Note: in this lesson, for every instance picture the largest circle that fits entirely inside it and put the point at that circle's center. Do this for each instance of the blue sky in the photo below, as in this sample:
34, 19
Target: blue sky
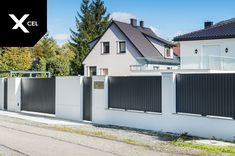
167, 17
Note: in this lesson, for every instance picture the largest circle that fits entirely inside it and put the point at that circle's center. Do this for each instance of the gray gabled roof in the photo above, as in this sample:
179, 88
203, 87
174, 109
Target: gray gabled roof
221, 30
138, 39
138, 36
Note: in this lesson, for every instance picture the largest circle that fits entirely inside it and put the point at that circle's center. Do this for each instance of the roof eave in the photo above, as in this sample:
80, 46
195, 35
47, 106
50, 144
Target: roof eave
203, 38
166, 43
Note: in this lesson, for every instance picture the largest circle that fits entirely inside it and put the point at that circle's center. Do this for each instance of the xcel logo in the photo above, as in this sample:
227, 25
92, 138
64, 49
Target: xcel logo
19, 23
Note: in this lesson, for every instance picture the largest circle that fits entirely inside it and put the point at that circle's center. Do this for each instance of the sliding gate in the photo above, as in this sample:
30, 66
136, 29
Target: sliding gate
38, 95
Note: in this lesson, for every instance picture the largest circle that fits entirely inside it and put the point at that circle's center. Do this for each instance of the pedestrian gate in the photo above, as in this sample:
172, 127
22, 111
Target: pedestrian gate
87, 98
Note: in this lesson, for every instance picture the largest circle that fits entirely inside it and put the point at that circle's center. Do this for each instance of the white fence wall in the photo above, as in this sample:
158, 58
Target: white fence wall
69, 105
1, 93
14, 94
69, 98
102, 115
167, 121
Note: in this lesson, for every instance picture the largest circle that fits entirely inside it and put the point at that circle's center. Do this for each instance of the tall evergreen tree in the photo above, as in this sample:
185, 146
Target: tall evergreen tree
100, 19
90, 23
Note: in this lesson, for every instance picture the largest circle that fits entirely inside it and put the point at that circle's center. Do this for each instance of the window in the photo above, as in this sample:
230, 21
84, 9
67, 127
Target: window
92, 71
122, 47
104, 71
105, 48
168, 52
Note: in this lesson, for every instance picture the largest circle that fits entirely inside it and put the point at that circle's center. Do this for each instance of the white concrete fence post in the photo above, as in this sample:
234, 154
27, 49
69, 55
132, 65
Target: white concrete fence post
14, 94
99, 98
69, 98
168, 93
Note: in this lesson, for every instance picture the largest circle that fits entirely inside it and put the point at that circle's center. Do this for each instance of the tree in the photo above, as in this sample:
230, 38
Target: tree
45, 53
53, 58
90, 23
63, 60
100, 19
15, 59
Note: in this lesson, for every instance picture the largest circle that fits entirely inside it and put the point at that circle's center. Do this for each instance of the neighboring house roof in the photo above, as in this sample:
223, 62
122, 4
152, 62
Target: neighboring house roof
221, 30
138, 37
176, 50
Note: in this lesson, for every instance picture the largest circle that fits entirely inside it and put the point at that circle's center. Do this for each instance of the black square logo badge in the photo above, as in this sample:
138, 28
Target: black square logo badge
23, 22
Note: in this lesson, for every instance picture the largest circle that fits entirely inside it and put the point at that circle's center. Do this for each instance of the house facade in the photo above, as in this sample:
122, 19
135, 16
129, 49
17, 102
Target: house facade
210, 48
126, 47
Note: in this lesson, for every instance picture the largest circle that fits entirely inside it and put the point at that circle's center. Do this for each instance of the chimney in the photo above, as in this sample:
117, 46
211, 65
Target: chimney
134, 22
208, 24
142, 24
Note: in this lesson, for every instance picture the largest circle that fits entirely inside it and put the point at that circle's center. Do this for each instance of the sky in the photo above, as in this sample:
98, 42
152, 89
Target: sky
167, 18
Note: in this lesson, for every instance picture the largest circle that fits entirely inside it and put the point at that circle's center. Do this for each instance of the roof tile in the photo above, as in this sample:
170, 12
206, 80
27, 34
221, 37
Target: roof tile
221, 30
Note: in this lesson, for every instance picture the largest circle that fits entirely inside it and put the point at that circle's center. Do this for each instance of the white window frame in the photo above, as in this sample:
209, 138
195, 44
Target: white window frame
165, 51
118, 47
101, 71
102, 48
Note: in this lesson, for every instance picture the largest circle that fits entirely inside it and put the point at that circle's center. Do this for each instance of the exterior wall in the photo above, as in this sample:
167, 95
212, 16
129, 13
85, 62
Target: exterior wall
69, 98
14, 94
167, 121
1, 93
117, 64
190, 60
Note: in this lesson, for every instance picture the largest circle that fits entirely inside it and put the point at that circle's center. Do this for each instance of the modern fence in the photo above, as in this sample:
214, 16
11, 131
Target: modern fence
135, 93
84, 98
206, 94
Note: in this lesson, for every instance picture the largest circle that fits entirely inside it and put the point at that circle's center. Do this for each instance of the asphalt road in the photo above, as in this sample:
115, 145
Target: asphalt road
21, 139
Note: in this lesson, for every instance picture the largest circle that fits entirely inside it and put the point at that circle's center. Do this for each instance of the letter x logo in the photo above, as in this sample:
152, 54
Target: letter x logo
19, 23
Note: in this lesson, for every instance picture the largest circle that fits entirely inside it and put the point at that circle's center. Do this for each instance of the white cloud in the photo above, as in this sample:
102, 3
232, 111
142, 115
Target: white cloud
61, 37
155, 30
122, 16
178, 33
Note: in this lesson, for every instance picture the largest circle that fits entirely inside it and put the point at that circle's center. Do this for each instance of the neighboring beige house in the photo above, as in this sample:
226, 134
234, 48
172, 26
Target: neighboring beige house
210, 48
127, 47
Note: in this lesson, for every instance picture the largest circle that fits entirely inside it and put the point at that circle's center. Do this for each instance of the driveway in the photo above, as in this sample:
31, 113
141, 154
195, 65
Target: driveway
20, 139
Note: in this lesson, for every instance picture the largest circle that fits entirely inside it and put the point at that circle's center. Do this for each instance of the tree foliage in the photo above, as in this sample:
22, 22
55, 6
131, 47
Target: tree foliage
46, 53
15, 59
53, 58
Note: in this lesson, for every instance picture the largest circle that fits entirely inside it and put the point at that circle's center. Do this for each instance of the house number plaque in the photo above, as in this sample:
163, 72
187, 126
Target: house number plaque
99, 85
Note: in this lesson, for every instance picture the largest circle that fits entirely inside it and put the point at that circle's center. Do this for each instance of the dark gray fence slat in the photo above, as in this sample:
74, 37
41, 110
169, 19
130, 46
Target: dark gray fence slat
135, 93
206, 94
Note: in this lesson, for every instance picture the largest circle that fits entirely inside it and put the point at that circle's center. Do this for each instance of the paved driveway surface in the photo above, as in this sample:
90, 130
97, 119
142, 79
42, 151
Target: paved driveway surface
20, 139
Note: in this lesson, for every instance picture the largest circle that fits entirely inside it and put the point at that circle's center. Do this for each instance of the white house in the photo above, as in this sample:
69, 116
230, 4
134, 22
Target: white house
125, 47
210, 48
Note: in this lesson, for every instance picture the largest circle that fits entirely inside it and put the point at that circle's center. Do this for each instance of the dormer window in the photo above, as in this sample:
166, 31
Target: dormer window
167, 52
105, 48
